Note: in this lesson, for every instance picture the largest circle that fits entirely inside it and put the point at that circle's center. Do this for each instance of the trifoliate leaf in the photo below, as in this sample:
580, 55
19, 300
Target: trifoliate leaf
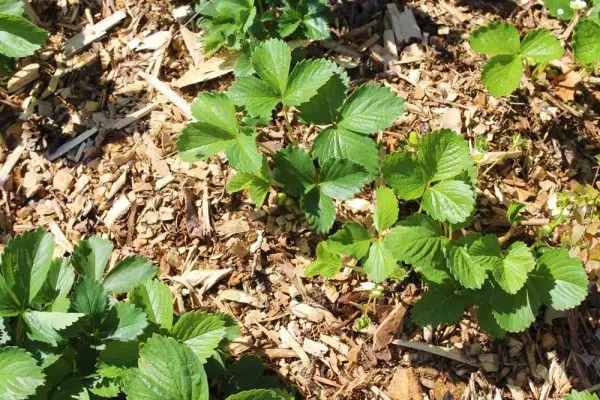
443, 155
418, 239
305, 80
581, 396
441, 304
560, 9
487, 322
315, 24
586, 41
405, 175
167, 370
154, 297
271, 61
515, 312
323, 108
25, 263
513, 214
91, 256
19, 374
257, 183
44, 326
201, 331
319, 210
560, 280
516, 264
342, 179
256, 96
295, 170
215, 109
11, 7
336, 143
495, 38
353, 239
501, 75
451, 201
90, 297
465, 269
371, 108
327, 264
541, 46
19, 37
380, 263
124, 322
129, 273
386, 209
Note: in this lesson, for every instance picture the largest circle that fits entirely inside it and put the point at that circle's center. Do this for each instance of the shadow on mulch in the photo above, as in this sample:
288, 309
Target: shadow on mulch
501, 8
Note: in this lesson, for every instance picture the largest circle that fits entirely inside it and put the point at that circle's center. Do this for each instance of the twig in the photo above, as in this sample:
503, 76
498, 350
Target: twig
71, 144
164, 89
450, 353
9, 164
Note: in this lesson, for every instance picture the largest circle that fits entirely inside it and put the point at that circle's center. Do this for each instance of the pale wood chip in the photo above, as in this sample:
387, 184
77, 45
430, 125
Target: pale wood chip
451, 353
239, 296
288, 339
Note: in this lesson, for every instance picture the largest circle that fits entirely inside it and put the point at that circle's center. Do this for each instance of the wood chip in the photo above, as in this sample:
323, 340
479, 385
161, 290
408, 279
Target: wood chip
451, 353
23, 77
404, 24
210, 69
239, 296
388, 328
404, 385
287, 338
92, 33
9, 164
118, 210
226, 228
71, 144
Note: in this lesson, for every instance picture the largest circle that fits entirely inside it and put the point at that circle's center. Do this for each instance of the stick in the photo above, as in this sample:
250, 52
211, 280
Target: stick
9, 164
164, 89
452, 354
92, 33
71, 144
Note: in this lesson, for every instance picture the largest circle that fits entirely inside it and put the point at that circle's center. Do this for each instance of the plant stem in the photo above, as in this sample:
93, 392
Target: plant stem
266, 149
450, 232
288, 125
19, 331
493, 165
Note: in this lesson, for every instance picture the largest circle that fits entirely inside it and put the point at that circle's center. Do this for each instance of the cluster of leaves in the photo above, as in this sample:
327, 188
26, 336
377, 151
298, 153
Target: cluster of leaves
235, 24
502, 73
507, 286
65, 335
575, 395
18, 37
343, 157
586, 35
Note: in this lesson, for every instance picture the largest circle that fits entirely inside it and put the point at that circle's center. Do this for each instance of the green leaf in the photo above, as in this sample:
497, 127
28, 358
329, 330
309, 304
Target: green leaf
129, 273
295, 170
11, 7
487, 322
495, 38
515, 312
443, 155
168, 370
91, 256
581, 396
316, 21
502, 74
451, 201
465, 269
5, 65
441, 304
327, 264
25, 263
154, 297
513, 214
305, 80
405, 175
45, 326
19, 37
256, 96
323, 108
560, 9
541, 46
336, 143
271, 61
9, 305
199, 141
90, 297
58, 283
257, 183
560, 280
215, 109
512, 273
243, 154
19, 374
380, 264
256, 394
290, 22
117, 358
586, 41
486, 252
386, 209
353, 239
342, 179
371, 108
319, 210
418, 239
201, 331
124, 322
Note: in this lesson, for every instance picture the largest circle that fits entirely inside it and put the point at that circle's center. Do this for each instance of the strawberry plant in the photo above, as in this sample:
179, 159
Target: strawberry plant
502, 73
574, 395
18, 37
64, 334
505, 284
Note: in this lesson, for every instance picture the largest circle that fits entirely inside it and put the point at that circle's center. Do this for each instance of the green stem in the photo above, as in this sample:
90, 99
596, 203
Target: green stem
492, 166
288, 125
450, 232
19, 331
266, 149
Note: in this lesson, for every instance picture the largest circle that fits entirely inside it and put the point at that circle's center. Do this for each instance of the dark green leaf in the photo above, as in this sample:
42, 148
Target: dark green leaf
515, 312
353, 239
586, 41
323, 108
305, 80
129, 273
319, 210
295, 170
91, 256
418, 239
443, 155
271, 61
441, 304
257, 183
336, 143
90, 298
124, 322
342, 179
45, 326
451, 201
256, 96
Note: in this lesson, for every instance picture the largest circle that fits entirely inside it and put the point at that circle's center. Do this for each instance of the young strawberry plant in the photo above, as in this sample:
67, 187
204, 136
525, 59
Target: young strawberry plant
18, 37
510, 56
505, 284
65, 335
575, 395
